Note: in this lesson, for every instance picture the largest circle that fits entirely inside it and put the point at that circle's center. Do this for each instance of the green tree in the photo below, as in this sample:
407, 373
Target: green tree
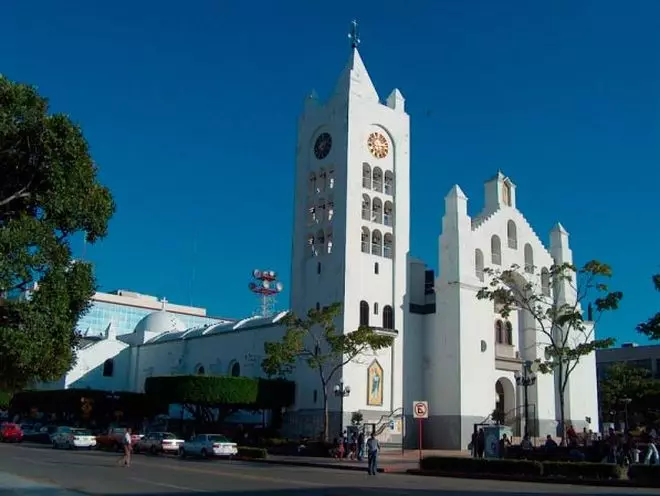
567, 335
317, 342
623, 381
48, 192
651, 328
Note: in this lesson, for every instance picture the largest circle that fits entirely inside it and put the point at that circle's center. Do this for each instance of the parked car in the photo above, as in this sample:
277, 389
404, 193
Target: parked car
114, 438
206, 445
10, 433
158, 442
71, 438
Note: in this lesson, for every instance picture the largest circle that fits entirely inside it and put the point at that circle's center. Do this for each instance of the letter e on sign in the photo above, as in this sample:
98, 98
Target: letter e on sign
420, 409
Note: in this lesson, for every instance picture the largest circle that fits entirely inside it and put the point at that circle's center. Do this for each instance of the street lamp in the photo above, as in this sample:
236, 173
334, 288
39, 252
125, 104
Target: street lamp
526, 379
626, 402
342, 392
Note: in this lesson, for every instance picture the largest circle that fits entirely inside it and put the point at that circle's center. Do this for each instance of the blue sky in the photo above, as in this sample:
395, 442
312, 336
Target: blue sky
190, 109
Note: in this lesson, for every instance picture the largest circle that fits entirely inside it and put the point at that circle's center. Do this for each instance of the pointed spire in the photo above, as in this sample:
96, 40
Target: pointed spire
354, 79
559, 228
456, 193
396, 101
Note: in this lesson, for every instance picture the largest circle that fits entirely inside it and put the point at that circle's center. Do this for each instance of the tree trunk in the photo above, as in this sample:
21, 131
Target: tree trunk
562, 401
325, 413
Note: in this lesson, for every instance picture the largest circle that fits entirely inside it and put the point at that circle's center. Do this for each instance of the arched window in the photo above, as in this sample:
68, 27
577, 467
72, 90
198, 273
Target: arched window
312, 184
545, 282
389, 183
331, 179
376, 243
328, 241
496, 250
388, 317
366, 175
199, 370
509, 333
318, 268
376, 308
511, 235
108, 367
499, 331
311, 214
311, 245
236, 370
479, 264
388, 213
366, 240
377, 210
388, 246
322, 180
315, 396
506, 194
529, 259
320, 210
330, 210
364, 313
378, 179
320, 242
366, 207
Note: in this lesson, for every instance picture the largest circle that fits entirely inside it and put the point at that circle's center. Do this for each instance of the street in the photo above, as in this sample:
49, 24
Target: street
96, 473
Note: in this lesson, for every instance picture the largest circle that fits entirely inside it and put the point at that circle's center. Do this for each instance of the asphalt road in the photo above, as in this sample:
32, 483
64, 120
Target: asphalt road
97, 473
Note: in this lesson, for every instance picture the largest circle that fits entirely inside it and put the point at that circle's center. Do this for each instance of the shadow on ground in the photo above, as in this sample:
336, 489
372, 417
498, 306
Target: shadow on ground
335, 491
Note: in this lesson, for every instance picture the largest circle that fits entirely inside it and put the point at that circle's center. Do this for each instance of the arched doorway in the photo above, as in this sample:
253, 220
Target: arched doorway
505, 400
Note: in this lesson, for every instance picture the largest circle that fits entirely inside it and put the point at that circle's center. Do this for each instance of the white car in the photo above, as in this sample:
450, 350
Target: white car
158, 442
206, 445
71, 438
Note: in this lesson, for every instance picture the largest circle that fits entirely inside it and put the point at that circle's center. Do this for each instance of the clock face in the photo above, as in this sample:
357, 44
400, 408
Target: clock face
378, 146
322, 146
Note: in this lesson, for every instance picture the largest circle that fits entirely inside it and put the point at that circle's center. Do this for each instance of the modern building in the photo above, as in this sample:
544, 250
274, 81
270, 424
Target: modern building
351, 244
645, 357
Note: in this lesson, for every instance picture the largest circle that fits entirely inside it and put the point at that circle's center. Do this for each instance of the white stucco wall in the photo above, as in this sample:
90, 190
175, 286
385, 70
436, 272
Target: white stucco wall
88, 370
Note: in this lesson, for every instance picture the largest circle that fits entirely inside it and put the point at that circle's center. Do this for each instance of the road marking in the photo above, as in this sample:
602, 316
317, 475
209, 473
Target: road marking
171, 486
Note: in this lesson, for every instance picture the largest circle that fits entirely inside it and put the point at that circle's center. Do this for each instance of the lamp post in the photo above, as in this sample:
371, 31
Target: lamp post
342, 392
626, 402
526, 378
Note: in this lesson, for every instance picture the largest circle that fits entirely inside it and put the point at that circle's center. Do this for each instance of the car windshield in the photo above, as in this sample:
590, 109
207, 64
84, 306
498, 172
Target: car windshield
168, 435
218, 439
81, 432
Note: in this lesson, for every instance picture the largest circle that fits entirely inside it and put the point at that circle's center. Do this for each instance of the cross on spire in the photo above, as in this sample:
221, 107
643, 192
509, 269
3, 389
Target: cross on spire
354, 35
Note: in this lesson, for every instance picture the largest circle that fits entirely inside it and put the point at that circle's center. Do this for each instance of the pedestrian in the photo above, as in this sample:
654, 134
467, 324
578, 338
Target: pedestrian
360, 446
373, 447
126, 445
481, 443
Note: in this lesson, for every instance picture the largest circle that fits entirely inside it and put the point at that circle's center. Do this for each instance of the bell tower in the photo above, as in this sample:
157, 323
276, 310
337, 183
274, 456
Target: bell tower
351, 228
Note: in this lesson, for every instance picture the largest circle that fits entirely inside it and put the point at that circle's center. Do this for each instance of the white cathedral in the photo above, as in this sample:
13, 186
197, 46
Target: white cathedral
351, 245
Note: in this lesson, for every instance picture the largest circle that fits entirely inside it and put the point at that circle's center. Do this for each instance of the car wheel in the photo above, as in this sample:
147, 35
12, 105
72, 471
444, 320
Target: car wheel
204, 453
153, 450
182, 453
54, 445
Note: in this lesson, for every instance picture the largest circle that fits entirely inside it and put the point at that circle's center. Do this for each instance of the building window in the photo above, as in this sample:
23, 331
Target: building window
236, 369
388, 214
108, 367
318, 306
376, 243
388, 317
364, 313
506, 194
388, 246
389, 183
366, 239
377, 210
366, 175
378, 180
318, 268
429, 282
509, 333
479, 264
529, 259
499, 332
495, 250
375, 308
200, 370
512, 235
315, 396
376, 268
328, 242
545, 282
366, 207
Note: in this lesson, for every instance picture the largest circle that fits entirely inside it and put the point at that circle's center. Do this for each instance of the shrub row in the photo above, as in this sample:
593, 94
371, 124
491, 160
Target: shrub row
525, 468
249, 452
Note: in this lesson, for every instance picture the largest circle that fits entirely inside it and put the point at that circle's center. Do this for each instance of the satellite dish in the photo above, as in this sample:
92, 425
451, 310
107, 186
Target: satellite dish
279, 286
266, 284
256, 273
272, 273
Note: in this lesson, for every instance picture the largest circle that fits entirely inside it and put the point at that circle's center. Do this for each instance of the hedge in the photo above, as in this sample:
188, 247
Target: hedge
254, 453
644, 473
570, 470
221, 390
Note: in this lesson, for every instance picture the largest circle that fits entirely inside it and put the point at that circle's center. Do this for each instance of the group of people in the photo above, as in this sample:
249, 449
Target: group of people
355, 446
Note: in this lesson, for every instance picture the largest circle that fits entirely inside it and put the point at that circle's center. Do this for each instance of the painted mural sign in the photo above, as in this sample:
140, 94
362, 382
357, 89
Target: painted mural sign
375, 384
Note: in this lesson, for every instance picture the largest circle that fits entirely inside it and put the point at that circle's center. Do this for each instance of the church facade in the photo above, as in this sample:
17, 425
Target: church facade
351, 245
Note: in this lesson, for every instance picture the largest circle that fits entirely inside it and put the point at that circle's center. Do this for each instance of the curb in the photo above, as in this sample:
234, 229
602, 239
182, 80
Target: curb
541, 480
329, 466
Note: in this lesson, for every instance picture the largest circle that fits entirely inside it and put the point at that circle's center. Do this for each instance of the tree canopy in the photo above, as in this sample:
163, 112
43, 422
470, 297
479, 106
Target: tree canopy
316, 341
651, 328
622, 381
561, 325
49, 192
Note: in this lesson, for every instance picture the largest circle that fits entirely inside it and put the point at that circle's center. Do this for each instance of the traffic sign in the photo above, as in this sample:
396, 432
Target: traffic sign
420, 409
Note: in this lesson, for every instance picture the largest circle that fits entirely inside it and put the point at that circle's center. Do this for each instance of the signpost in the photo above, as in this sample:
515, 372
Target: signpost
420, 412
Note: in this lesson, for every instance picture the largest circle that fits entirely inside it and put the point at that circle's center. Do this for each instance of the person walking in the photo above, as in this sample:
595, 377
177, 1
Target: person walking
360, 446
373, 447
126, 445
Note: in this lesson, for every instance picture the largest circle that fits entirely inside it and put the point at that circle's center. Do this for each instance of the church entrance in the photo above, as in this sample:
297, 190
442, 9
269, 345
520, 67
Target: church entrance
505, 401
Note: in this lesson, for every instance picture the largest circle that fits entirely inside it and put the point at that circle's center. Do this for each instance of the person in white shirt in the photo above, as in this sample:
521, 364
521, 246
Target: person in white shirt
373, 447
126, 444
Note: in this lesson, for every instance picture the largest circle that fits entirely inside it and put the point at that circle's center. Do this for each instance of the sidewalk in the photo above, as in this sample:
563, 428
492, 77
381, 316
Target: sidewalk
13, 485
390, 461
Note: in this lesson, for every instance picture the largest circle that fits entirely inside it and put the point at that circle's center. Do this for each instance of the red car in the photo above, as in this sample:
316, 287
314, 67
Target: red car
10, 433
